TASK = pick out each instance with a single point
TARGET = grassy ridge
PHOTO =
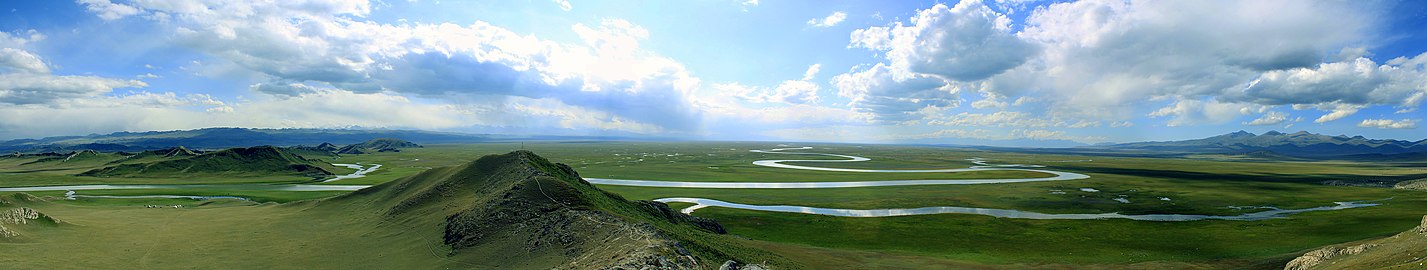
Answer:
(261, 160)
(480, 199)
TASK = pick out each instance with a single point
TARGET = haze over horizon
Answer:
(973, 71)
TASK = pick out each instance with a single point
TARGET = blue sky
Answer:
(994, 72)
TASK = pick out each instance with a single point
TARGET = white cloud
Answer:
(789, 92)
(1335, 110)
(1185, 112)
(324, 108)
(21, 61)
(1389, 123)
(891, 94)
(991, 100)
(301, 46)
(748, 3)
(967, 42)
(108, 10)
(812, 71)
(30, 81)
(829, 21)
(1007, 119)
(1354, 81)
(876, 38)
(9, 40)
(564, 4)
(1269, 118)
(1102, 57)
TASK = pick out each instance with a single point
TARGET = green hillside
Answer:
(520, 201)
(261, 160)
(157, 155)
(324, 150)
(511, 211)
(377, 145)
(77, 159)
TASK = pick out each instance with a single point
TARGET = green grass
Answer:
(1195, 186)
(1000, 240)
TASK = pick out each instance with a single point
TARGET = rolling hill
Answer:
(261, 160)
(156, 155)
(319, 151)
(377, 145)
(520, 210)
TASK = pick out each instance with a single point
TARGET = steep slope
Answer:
(261, 160)
(1407, 250)
(377, 145)
(518, 210)
(1299, 144)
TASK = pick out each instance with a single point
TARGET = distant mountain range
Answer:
(222, 138)
(1299, 144)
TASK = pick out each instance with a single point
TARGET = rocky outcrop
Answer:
(1419, 184)
(21, 216)
(733, 265)
(1370, 255)
(1313, 258)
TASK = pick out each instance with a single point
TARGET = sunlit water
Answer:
(981, 165)
(1001, 213)
(778, 163)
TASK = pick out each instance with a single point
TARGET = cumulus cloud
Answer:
(1355, 81)
(108, 10)
(967, 42)
(304, 45)
(37, 89)
(893, 95)
(17, 60)
(1101, 57)
(829, 21)
(1389, 123)
(1185, 112)
(28, 81)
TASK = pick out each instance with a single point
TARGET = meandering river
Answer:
(981, 165)
(361, 172)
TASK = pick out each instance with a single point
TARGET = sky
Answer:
(1002, 72)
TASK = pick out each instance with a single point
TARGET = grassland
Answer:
(1191, 185)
